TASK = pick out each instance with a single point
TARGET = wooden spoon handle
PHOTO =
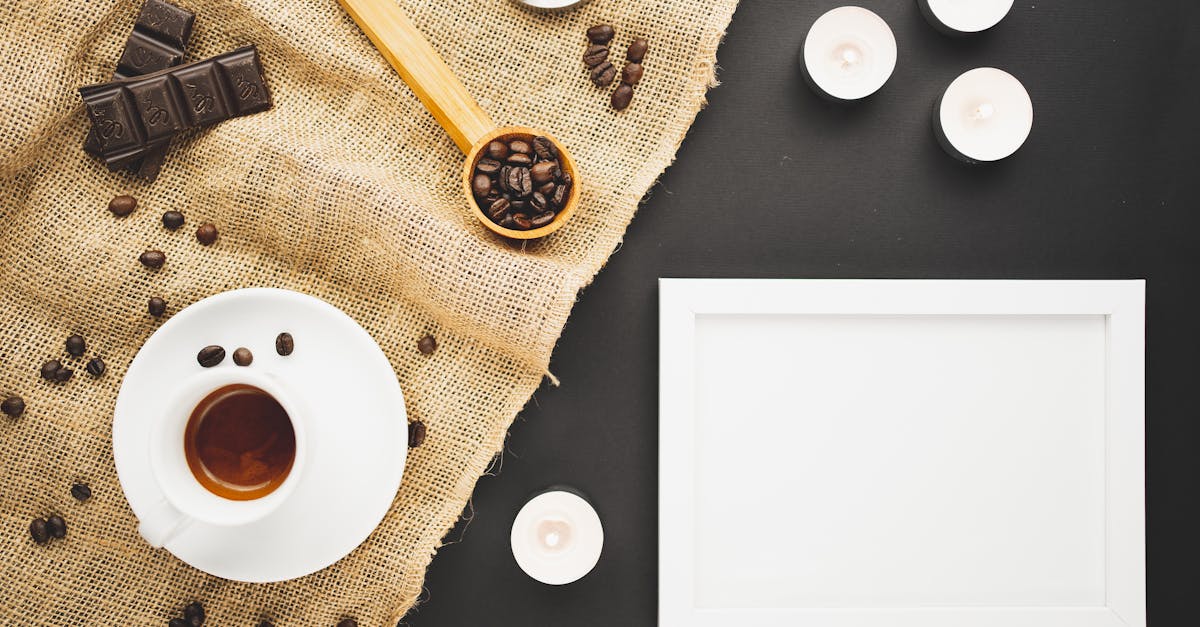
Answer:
(422, 68)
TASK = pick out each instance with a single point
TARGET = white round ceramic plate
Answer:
(358, 433)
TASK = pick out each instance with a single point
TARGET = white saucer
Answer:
(358, 436)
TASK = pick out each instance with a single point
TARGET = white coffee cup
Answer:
(185, 499)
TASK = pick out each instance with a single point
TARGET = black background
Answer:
(774, 182)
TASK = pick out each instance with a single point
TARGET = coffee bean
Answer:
(96, 367)
(348, 622)
(502, 178)
(622, 97)
(637, 50)
(416, 433)
(157, 306)
(520, 182)
(51, 368)
(13, 406)
(210, 356)
(631, 74)
(122, 206)
(600, 33)
(565, 179)
(507, 222)
(242, 356)
(545, 149)
(284, 344)
(520, 146)
(177, 622)
(63, 375)
(56, 526)
(206, 234)
(39, 531)
(81, 492)
(498, 208)
(520, 159)
(194, 614)
(559, 199)
(538, 202)
(497, 150)
(547, 190)
(603, 74)
(153, 259)
(522, 221)
(481, 185)
(266, 623)
(595, 55)
(427, 345)
(76, 347)
(542, 219)
(172, 220)
(543, 172)
(487, 166)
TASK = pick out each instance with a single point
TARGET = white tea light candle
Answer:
(849, 53)
(984, 115)
(556, 537)
(963, 17)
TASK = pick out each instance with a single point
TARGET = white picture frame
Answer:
(1021, 503)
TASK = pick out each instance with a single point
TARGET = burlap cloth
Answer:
(347, 190)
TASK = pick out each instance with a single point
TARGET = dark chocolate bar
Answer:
(158, 41)
(135, 116)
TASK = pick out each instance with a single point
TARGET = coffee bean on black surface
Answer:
(122, 206)
(172, 220)
(153, 259)
(542, 219)
(488, 166)
(206, 234)
(81, 492)
(600, 33)
(157, 306)
(242, 356)
(621, 97)
(39, 531)
(416, 434)
(177, 622)
(56, 526)
(602, 75)
(632, 73)
(194, 614)
(481, 185)
(210, 356)
(13, 406)
(349, 622)
(497, 150)
(95, 367)
(545, 149)
(637, 50)
(76, 346)
(51, 368)
(520, 159)
(427, 345)
(284, 344)
(595, 55)
(63, 375)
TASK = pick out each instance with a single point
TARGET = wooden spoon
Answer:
(407, 50)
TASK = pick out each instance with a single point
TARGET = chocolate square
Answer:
(144, 55)
(166, 22)
(115, 119)
(202, 94)
(161, 113)
(244, 75)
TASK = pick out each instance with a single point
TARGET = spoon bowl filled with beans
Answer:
(522, 184)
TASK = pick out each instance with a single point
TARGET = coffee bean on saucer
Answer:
(172, 220)
(210, 356)
(13, 406)
(427, 345)
(153, 259)
(206, 234)
(242, 356)
(177, 622)
(595, 55)
(284, 344)
(600, 33)
(81, 492)
(157, 306)
(122, 206)
(38, 531)
(637, 50)
(56, 526)
(602, 75)
(622, 97)
(96, 367)
(194, 614)
(63, 375)
(76, 346)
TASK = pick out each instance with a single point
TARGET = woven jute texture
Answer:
(347, 190)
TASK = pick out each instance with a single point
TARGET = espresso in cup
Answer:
(239, 442)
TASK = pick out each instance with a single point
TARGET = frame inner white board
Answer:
(869, 453)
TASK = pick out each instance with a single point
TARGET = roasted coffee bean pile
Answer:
(42, 530)
(519, 183)
(193, 616)
(55, 370)
(603, 72)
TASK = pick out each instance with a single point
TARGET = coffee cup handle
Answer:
(161, 523)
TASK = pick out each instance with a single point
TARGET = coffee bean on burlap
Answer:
(177, 622)
(63, 375)
(595, 55)
(172, 220)
(122, 206)
(210, 356)
(50, 368)
(284, 344)
(622, 97)
(266, 623)
(416, 434)
(56, 526)
(242, 356)
(545, 149)
(38, 531)
(347, 622)
(13, 406)
(153, 259)
(632, 73)
(603, 74)
(76, 346)
(427, 345)
(637, 50)
(157, 306)
(81, 492)
(95, 367)
(600, 33)
(206, 234)
(194, 614)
